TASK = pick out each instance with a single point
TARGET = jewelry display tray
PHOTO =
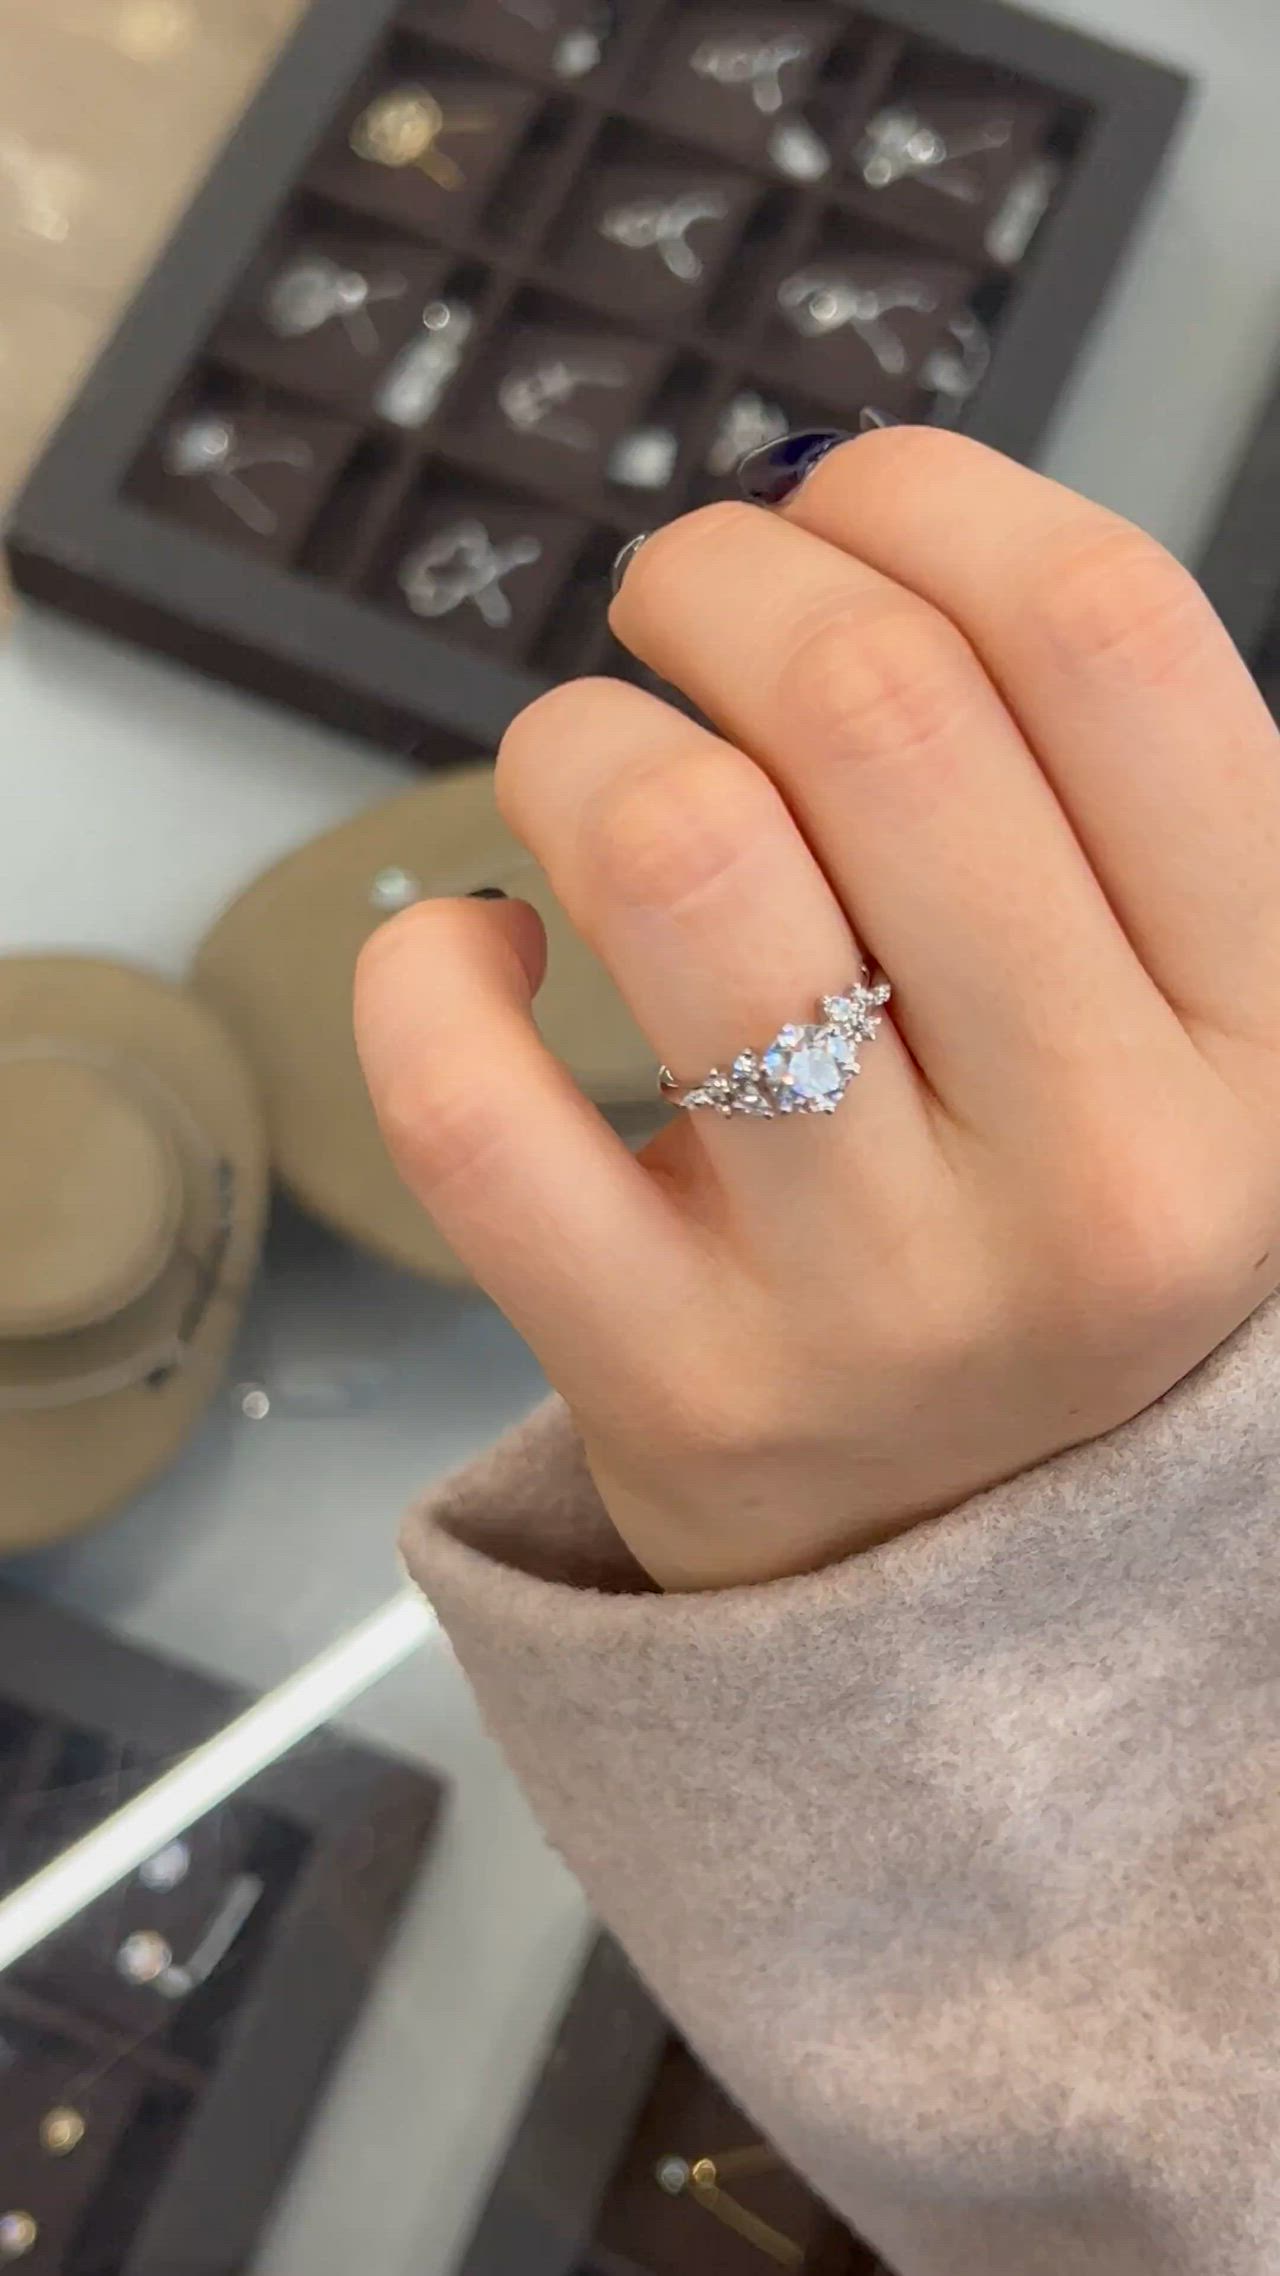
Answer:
(235, 497)
(184, 2111)
(619, 2096)
(1240, 570)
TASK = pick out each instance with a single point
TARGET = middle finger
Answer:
(940, 835)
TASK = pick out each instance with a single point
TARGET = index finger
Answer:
(526, 1181)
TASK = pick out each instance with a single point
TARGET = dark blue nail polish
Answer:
(871, 420)
(772, 474)
(487, 893)
(627, 556)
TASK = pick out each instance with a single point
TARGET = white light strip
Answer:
(215, 1770)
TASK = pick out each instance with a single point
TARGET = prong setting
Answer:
(805, 1070)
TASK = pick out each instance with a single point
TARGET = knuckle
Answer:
(885, 682)
(880, 471)
(701, 1425)
(933, 1325)
(1143, 1244)
(438, 1133)
(539, 733)
(435, 1128)
(717, 1393)
(1116, 598)
(715, 1429)
(667, 830)
(683, 552)
(395, 953)
(921, 455)
(381, 952)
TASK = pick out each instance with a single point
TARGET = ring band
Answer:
(805, 1070)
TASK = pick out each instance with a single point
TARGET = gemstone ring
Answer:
(805, 1070)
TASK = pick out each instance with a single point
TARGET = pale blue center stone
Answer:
(809, 1066)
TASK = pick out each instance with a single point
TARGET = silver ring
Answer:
(805, 1070)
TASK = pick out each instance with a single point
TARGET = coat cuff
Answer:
(956, 1861)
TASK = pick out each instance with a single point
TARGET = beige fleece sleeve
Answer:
(960, 1862)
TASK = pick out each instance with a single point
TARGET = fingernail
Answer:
(772, 474)
(871, 419)
(627, 556)
(487, 893)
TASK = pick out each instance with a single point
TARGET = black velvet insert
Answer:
(484, 565)
(858, 323)
(555, 403)
(159, 2055)
(730, 77)
(650, 237)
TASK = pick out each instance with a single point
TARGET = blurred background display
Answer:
(481, 290)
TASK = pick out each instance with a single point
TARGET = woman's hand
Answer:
(986, 737)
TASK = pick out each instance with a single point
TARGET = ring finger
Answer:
(678, 860)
